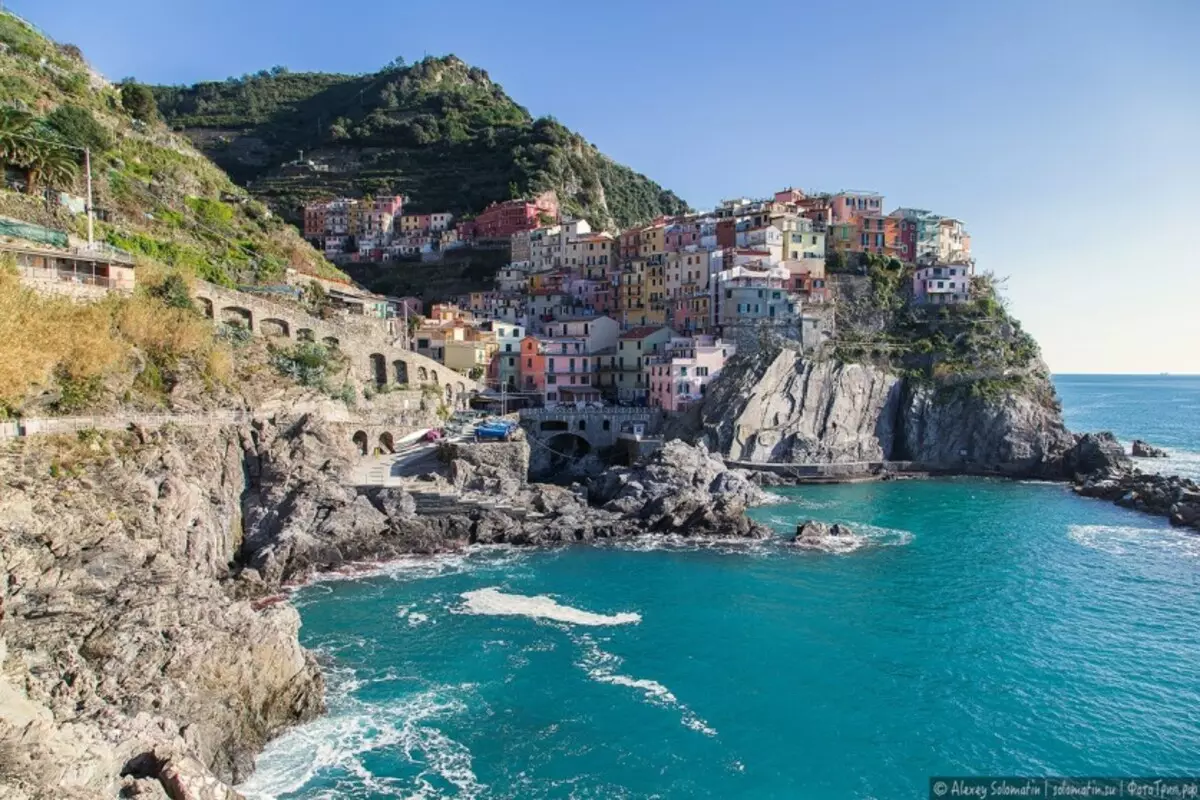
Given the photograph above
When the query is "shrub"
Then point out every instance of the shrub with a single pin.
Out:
(173, 291)
(138, 101)
(211, 212)
(78, 127)
(308, 363)
(76, 392)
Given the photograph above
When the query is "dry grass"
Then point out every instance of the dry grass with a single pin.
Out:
(47, 340)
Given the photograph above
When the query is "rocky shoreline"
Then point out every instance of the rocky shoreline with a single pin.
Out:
(1111, 476)
(147, 644)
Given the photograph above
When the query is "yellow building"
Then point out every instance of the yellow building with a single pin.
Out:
(655, 291)
(590, 255)
(653, 241)
(470, 357)
(631, 299)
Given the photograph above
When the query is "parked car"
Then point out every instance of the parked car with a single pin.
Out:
(434, 435)
(496, 430)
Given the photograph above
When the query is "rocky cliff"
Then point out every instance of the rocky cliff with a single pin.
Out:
(145, 647)
(780, 407)
(126, 651)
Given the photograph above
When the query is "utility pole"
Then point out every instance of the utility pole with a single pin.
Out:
(87, 167)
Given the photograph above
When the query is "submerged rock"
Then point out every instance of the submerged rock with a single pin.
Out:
(836, 538)
(1142, 449)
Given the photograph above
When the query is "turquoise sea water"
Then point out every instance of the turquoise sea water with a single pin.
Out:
(1162, 409)
(987, 628)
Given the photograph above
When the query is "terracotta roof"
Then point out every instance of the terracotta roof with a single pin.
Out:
(642, 332)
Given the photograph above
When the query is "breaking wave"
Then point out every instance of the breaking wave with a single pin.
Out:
(493, 602)
(601, 666)
(1121, 540)
(329, 752)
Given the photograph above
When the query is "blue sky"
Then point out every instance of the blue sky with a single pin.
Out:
(1066, 133)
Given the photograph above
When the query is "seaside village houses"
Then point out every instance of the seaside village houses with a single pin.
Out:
(647, 316)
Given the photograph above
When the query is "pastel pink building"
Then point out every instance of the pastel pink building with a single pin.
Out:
(679, 377)
(570, 376)
(681, 236)
(591, 295)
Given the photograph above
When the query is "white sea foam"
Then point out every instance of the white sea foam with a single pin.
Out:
(864, 535)
(333, 746)
(493, 602)
(674, 542)
(601, 666)
(1120, 540)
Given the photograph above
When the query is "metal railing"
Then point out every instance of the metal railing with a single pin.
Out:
(62, 276)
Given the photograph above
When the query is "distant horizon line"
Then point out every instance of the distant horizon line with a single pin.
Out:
(1125, 374)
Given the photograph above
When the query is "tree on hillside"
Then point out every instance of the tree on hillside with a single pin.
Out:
(138, 100)
(78, 127)
(24, 145)
(15, 128)
(52, 165)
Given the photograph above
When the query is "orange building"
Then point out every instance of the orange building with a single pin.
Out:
(532, 369)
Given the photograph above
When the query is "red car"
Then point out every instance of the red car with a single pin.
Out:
(433, 435)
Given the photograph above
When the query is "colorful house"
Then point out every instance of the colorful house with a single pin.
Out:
(532, 367)
(943, 284)
(679, 376)
(846, 206)
(625, 369)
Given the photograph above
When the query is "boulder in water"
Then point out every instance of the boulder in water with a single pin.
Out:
(1145, 450)
(836, 538)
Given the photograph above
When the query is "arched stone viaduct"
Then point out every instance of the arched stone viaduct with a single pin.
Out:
(373, 358)
(597, 427)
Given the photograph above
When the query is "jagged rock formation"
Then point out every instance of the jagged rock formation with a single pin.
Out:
(1101, 469)
(776, 406)
(1142, 449)
(125, 648)
(145, 646)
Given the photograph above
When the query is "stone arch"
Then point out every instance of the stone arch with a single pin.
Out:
(567, 448)
(386, 442)
(400, 369)
(361, 442)
(305, 335)
(582, 424)
(422, 374)
(206, 306)
(236, 315)
(449, 393)
(606, 425)
(274, 327)
(379, 368)
(460, 387)
(331, 342)
(433, 376)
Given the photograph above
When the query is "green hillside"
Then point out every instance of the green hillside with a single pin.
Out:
(439, 131)
(157, 196)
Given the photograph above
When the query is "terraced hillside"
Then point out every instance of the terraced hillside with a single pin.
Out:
(439, 131)
(158, 197)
